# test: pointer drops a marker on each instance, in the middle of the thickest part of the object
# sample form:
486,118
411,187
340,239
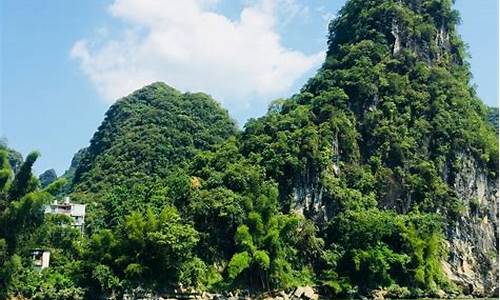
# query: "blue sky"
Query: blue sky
64,62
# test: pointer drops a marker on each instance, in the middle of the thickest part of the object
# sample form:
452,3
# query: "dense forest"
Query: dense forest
380,177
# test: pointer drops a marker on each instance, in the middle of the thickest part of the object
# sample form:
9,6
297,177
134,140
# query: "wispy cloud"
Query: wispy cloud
325,14
189,46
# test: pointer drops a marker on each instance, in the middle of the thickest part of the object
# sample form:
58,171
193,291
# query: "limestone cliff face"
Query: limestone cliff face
473,238
308,199
394,122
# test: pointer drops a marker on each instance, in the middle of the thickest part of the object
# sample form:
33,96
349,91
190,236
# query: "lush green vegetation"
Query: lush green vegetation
23,228
347,185
142,140
15,158
146,134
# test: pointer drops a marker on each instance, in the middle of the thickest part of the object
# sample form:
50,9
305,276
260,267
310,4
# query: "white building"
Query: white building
73,210
41,258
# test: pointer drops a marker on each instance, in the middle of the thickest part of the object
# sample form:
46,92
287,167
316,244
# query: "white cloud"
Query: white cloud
191,47
325,14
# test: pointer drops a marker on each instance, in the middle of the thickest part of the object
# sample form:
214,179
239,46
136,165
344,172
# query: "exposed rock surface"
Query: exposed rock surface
300,293
473,239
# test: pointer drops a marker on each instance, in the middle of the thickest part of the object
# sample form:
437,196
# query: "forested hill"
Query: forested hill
390,114
146,134
379,178
390,124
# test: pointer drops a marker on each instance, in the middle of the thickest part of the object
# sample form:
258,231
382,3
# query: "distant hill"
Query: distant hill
47,177
493,116
15,158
